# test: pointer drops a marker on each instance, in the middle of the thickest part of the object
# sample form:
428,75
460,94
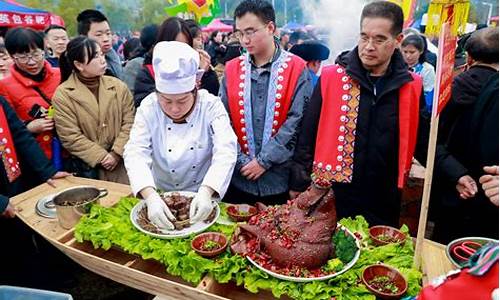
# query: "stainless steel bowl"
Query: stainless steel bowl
71,204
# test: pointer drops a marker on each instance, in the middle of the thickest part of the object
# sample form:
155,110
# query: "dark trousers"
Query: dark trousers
237,196
29,260
471,217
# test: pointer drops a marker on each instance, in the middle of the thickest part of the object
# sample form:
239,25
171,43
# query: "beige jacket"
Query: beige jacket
90,129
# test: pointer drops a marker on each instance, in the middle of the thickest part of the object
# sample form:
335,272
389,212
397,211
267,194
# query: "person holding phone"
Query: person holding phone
206,77
31,84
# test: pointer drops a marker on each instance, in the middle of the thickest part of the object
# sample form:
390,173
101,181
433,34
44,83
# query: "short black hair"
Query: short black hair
87,17
148,36
52,27
214,34
194,28
414,40
385,10
298,35
170,28
130,47
23,40
482,45
81,49
261,8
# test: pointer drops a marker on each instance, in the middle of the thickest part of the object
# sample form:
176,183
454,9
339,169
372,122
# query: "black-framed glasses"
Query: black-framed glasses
25,58
249,33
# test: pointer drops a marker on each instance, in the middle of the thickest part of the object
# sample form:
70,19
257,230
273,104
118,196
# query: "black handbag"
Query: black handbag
80,168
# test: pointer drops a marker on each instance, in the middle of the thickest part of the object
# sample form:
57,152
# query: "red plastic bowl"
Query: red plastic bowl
382,270
241,212
199,240
389,231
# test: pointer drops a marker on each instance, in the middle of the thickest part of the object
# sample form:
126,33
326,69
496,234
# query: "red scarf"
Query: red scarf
7,149
288,76
334,157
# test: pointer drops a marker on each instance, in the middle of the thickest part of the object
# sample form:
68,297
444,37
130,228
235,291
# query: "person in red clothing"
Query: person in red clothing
478,279
31,84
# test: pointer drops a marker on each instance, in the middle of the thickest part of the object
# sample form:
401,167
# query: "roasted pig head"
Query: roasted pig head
294,234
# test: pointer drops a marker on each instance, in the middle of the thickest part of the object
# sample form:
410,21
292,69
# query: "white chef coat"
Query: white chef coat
181,157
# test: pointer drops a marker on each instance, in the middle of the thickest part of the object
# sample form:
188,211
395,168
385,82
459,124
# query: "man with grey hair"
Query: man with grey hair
468,146
363,123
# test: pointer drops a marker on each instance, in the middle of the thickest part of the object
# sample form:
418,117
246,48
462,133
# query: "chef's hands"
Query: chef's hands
110,161
490,183
202,204
466,187
253,170
158,212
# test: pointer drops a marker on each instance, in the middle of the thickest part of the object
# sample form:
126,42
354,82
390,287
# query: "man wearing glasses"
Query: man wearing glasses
264,92
360,129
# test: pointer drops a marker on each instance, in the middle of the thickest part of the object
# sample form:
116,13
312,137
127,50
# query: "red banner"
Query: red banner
34,20
444,70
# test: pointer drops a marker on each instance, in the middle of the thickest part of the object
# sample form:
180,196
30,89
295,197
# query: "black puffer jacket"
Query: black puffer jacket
373,192
468,141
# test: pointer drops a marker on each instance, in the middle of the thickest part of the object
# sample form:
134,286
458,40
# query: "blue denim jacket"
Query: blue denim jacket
275,154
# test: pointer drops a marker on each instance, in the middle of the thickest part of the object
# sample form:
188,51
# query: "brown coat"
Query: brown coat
88,128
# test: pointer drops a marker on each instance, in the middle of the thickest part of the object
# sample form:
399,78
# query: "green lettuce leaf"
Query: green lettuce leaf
107,227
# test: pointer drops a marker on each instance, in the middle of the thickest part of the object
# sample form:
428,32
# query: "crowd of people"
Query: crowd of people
252,116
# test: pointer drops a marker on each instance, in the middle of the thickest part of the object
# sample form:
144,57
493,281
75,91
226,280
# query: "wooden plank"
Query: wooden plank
150,276
118,270
25,202
127,269
434,261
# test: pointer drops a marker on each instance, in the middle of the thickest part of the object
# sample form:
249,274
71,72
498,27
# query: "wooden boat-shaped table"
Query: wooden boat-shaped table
147,275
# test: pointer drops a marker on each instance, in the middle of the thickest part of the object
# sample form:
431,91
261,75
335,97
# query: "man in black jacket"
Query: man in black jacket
468,143
372,145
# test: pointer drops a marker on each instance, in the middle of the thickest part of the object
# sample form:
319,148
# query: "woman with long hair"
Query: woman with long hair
93,112
172,29
413,48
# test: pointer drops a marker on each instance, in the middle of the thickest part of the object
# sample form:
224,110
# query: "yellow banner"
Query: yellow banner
455,12
408,7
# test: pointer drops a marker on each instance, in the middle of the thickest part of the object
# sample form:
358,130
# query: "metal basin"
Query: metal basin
71,204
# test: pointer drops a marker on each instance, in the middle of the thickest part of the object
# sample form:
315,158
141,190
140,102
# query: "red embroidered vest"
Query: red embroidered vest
334,155
7,149
235,74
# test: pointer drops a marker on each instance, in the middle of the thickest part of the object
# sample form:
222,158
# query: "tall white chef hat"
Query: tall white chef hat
175,65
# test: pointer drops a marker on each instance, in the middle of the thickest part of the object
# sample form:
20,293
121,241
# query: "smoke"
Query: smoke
336,21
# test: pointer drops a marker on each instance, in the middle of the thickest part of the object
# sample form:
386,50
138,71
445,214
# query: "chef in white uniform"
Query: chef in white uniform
181,140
